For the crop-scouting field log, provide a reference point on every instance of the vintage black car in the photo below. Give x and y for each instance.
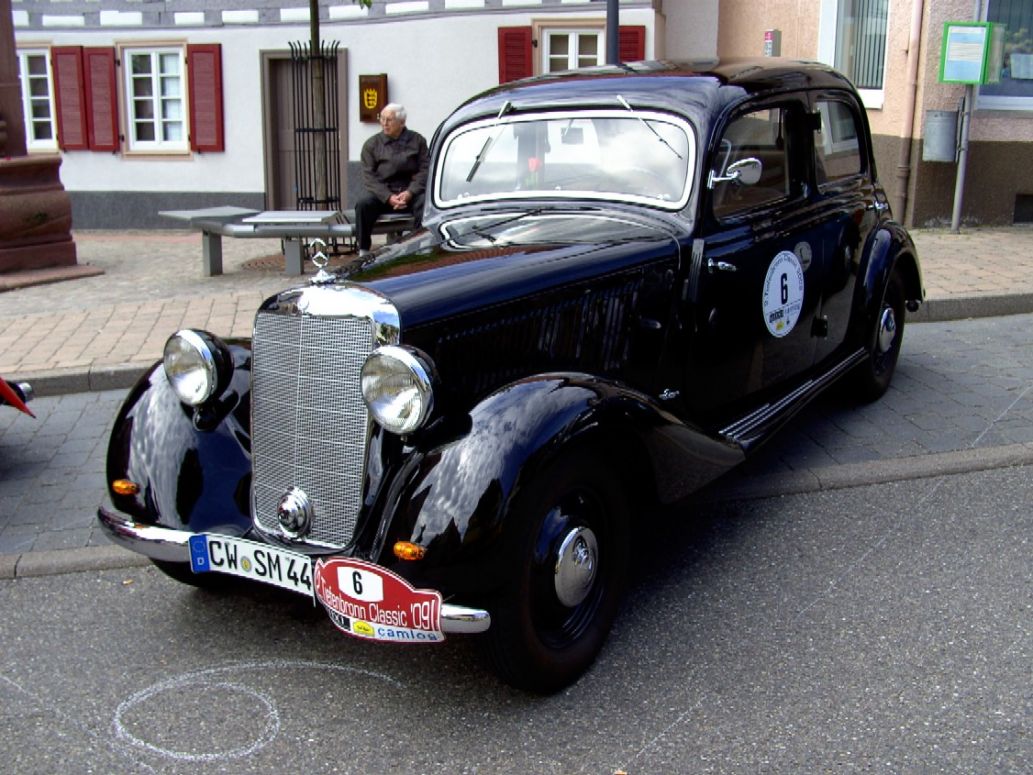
(628, 278)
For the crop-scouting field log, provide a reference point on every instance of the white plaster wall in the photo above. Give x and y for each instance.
(433, 64)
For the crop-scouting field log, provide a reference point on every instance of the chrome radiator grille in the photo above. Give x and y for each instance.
(310, 426)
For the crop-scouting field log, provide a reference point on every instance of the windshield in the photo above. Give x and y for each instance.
(631, 156)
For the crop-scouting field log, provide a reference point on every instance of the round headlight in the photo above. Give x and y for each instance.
(396, 387)
(192, 365)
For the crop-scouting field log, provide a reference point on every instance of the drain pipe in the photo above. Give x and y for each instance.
(910, 106)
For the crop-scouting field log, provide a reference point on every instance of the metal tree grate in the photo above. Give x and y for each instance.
(316, 121)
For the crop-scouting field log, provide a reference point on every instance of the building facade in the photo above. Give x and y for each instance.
(186, 103)
(892, 50)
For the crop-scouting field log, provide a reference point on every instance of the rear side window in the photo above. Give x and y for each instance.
(837, 144)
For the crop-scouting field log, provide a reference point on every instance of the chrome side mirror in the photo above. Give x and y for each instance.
(745, 171)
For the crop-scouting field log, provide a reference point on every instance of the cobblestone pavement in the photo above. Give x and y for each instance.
(964, 385)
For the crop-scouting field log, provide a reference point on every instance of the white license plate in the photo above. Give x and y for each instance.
(251, 560)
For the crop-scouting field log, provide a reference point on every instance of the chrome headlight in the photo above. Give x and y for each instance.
(197, 365)
(396, 386)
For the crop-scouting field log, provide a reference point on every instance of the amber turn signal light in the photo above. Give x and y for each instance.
(406, 550)
(125, 487)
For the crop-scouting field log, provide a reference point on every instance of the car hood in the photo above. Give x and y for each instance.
(481, 260)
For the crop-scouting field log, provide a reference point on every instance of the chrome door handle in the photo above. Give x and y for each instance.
(720, 266)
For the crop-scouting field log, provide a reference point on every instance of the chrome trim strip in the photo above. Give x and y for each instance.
(170, 545)
(153, 541)
(459, 620)
(750, 422)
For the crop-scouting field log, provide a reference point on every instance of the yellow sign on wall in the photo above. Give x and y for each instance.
(372, 96)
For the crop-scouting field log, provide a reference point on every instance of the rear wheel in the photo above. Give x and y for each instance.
(568, 555)
(872, 378)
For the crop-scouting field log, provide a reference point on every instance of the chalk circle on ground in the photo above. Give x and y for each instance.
(205, 695)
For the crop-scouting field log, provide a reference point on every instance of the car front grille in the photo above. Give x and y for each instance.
(310, 426)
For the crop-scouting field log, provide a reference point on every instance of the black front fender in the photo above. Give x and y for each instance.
(455, 498)
(192, 467)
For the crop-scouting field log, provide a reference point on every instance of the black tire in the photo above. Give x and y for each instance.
(872, 378)
(539, 641)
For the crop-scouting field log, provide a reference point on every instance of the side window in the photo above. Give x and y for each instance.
(837, 145)
(761, 135)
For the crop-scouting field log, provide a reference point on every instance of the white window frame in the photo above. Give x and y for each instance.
(158, 144)
(31, 143)
(828, 35)
(573, 52)
(996, 101)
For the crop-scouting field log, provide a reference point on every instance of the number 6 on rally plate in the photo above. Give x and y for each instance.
(360, 585)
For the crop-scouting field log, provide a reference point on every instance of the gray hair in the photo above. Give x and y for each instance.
(396, 109)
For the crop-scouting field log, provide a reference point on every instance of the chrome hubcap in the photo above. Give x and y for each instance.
(887, 330)
(577, 563)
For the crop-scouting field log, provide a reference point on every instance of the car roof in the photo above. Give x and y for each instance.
(698, 88)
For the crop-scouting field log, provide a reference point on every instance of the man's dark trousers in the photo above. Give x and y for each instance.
(369, 209)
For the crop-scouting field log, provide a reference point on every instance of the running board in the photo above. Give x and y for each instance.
(747, 431)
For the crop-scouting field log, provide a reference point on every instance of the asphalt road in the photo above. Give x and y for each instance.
(883, 628)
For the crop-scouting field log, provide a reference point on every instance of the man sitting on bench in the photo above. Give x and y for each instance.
(394, 171)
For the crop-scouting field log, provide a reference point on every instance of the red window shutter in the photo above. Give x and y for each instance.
(515, 57)
(631, 43)
(204, 71)
(70, 97)
(101, 98)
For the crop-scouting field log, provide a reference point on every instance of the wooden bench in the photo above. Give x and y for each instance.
(293, 227)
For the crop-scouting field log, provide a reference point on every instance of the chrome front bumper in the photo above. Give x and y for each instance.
(168, 545)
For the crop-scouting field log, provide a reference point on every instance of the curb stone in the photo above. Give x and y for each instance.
(849, 475)
(56, 562)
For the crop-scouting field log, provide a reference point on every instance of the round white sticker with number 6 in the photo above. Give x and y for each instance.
(783, 294)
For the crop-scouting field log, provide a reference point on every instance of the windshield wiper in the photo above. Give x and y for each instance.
(484, 231)
(506, 106)
(646, 124)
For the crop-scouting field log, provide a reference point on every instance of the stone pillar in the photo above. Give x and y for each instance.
(35, 211)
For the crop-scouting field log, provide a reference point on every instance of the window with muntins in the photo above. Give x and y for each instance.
(37, 100)
(571, 49)
(155, 99)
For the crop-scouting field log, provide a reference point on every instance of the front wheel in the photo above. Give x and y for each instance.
(568, 552)
(872, 377)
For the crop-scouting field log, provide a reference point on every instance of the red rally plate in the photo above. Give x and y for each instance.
(371, 602)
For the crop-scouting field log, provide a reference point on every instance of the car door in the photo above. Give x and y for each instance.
(848, 197)
(758, 258)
